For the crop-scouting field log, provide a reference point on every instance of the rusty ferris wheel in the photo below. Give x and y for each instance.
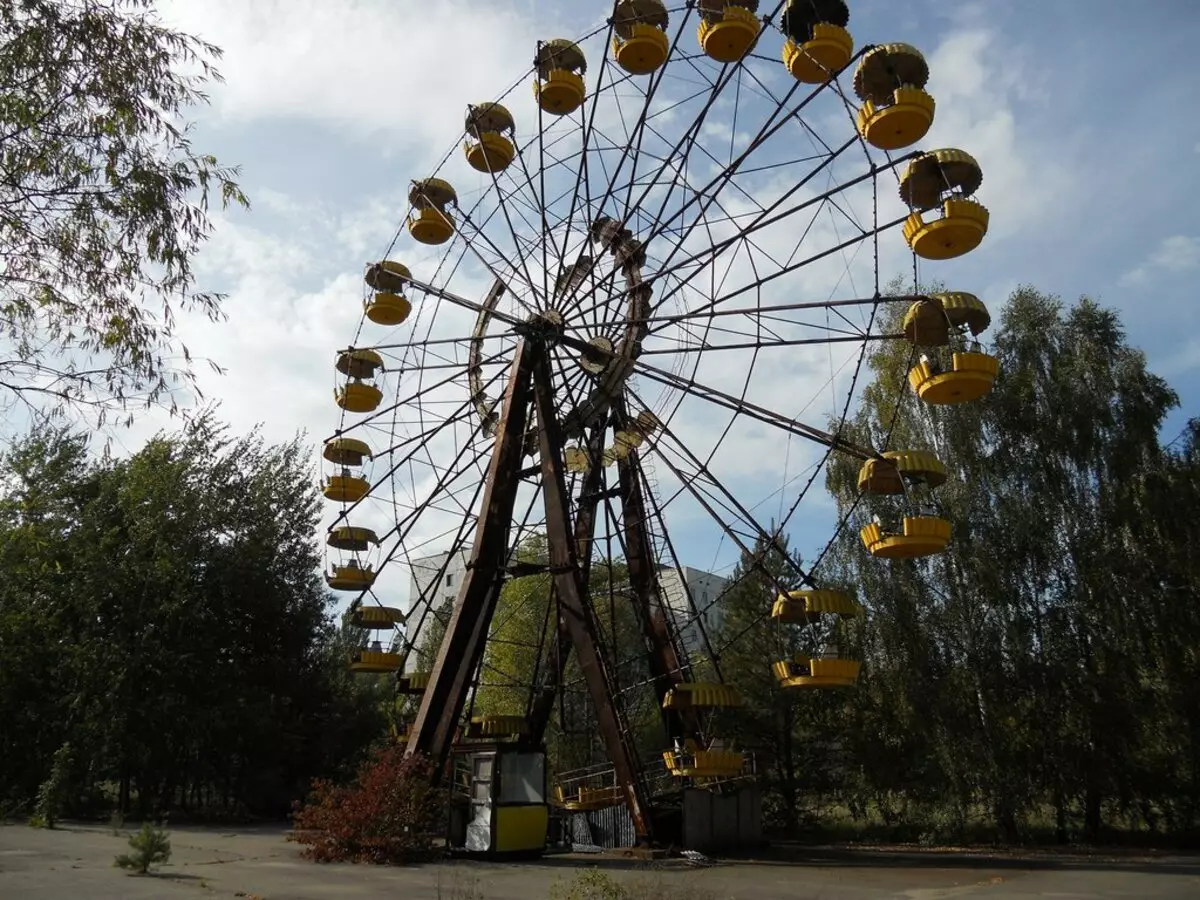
(619, 301)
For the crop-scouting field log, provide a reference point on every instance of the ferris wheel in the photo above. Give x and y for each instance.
(625, 317)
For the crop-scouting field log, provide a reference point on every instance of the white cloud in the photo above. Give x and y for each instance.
(978, 91)
(1174, 254)
(397, 72)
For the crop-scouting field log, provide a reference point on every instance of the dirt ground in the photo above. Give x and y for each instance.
(259, 864)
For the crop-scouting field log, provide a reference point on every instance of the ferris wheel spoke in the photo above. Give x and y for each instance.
(418, 441)
(413, 398)
(730, 402)
(516, 240)
(581, 169)
(404, 525)
(686, 479)
(768, 217)
(480, 235)
(765, 219)
(423, 440)
(791, 267)
(716, 185)
(726, 75)
(768, 344)
(656, 79)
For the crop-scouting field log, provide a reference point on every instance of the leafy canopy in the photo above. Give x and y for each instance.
(103, 204)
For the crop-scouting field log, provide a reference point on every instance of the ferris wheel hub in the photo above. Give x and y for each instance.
(547, 325)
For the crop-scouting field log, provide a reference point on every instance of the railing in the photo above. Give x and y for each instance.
(658, 778)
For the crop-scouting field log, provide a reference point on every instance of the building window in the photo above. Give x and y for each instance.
(450, 579)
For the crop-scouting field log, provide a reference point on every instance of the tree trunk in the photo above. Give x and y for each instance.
(1060, 815)
(1093, 798)
(788, 759)
(123, 793)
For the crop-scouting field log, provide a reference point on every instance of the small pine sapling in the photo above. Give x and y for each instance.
(150, 845)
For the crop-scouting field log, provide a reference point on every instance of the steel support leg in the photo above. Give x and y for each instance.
(466, 634)
(576, 607)
(560, 648)
(668, 666)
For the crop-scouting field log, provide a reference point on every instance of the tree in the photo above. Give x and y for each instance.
(103, 203)
(791, 735)
(165, 616)
(150, 846)
(1015, 671)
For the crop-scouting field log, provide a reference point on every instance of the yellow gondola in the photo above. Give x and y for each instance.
(387, 275)
(691, 695)
(728, 29)
(640, 43)
(412, 683)
(358, 395)
(898, 469)
(431, 222)
(930, 321)
(692, 762)
(346, 487)
(497, 727)
(921, 536)
(352, 539)
(346, 451)
(559, 86)
(804, 607)
(350, 577)
(803, 672)
(588, 799)
(388, 305)
(375, 617)
(897, 111)
(818, 44)
(374, 662)
(489, 146)
(945, 180)
(970, 377)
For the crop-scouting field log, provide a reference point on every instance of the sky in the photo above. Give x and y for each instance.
(332, 108)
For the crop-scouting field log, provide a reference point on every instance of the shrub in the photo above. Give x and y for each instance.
(391, 813)
(150, 845)
(55, 790)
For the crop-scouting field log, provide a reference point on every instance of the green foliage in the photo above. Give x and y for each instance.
(53, 795)
(752, 643)
(164, 614)
(524, 626)
(1043, 663)
(389, 814)
(151, 846)
(105, 201)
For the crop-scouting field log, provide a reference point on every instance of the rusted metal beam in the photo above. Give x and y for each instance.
(462, 647)
(668, 666)
(576, 608)
(590, 495)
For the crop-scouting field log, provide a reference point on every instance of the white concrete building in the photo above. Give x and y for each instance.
(428, 582)
(704, 610)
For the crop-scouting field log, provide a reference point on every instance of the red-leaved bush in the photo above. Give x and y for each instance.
(391, 813)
